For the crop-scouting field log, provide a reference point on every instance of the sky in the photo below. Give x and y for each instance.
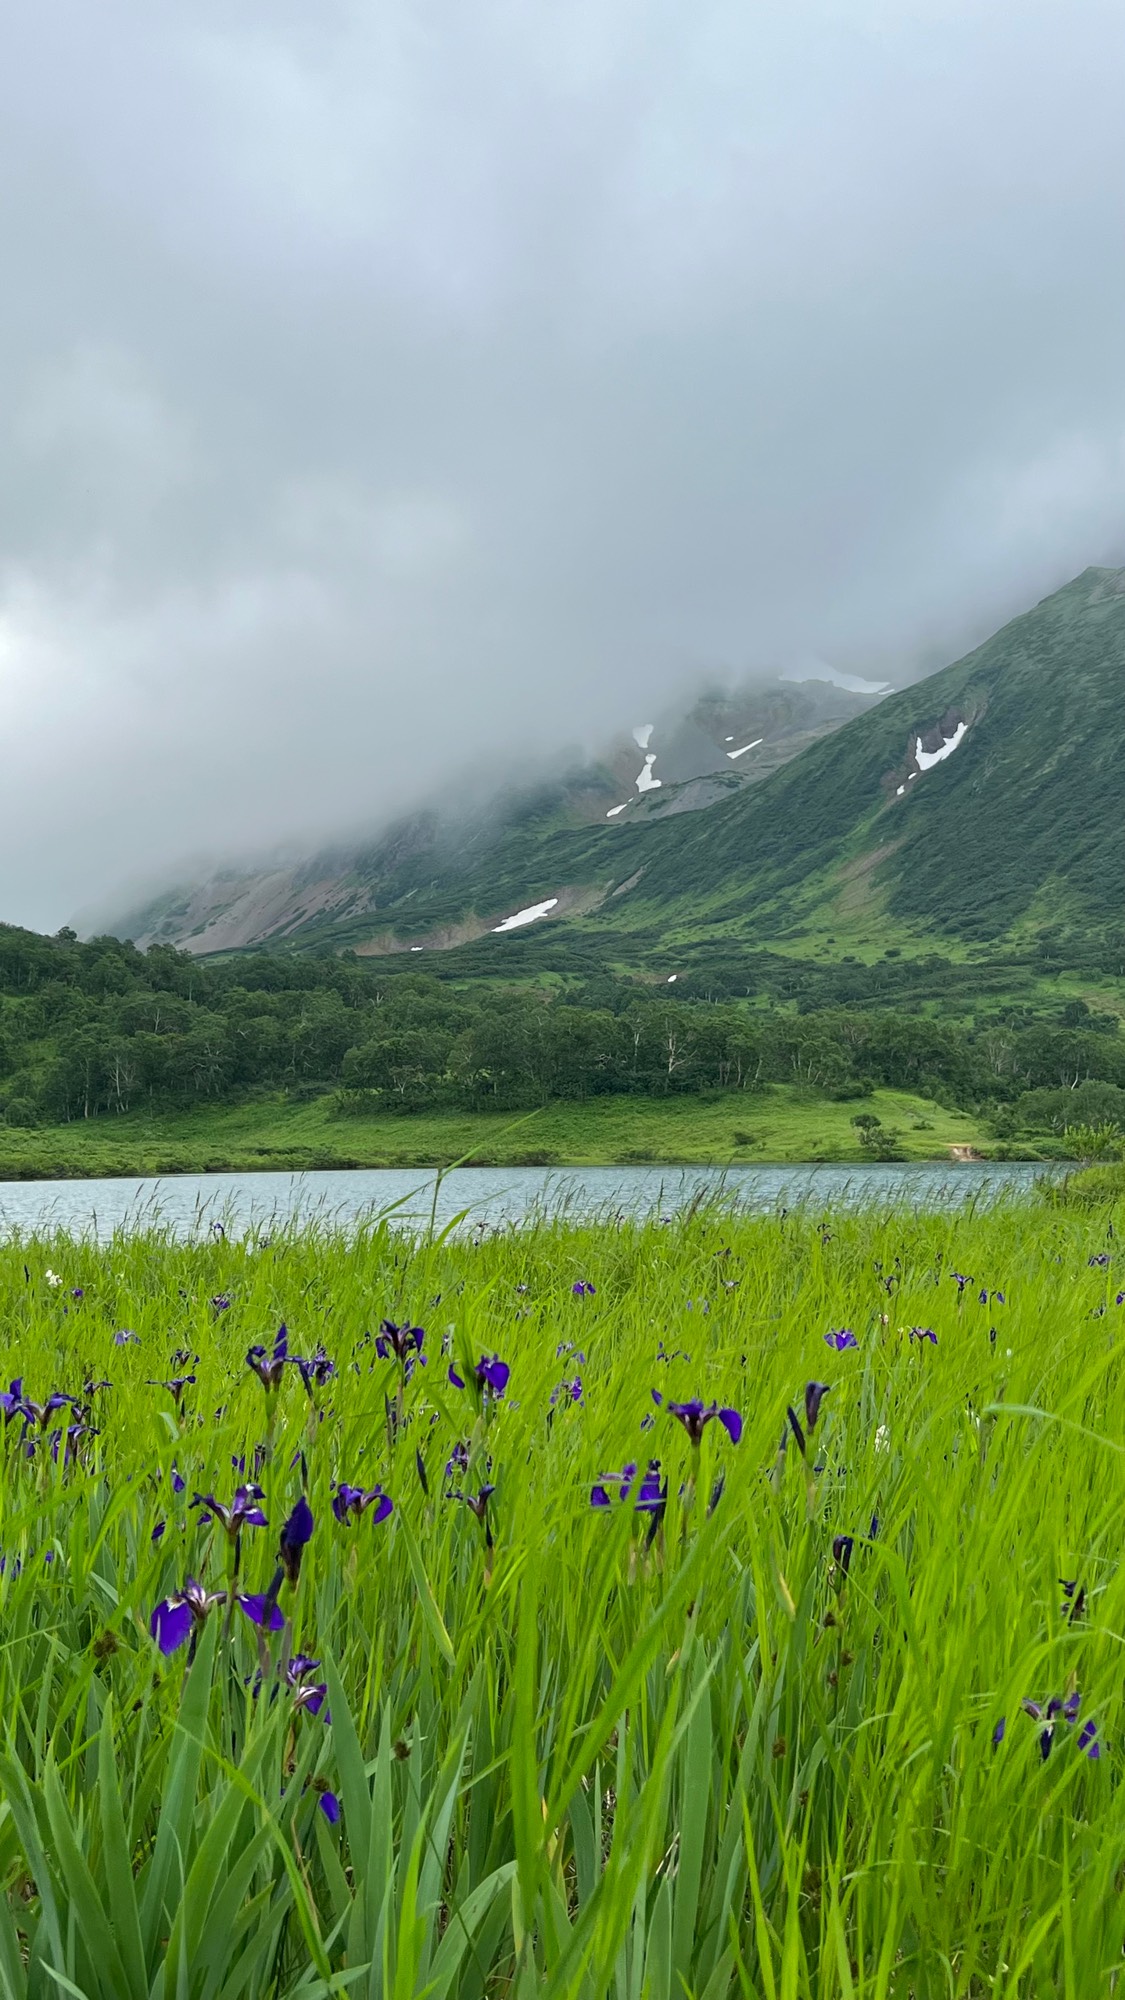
(389, 390)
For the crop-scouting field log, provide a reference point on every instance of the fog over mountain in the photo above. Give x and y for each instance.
(391, 392)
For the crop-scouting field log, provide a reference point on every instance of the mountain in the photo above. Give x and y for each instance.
(429, 874)
(983, 807)
(986, 802)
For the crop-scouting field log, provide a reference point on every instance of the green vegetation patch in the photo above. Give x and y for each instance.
(727, 1607)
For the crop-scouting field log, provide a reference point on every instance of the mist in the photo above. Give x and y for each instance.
(389, 394)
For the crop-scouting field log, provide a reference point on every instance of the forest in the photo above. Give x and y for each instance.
(93, 1030)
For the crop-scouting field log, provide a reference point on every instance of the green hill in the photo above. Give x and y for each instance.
(1019, 827)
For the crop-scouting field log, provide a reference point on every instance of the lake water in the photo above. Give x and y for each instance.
(189, 1204)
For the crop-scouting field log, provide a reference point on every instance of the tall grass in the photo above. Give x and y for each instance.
(577, 1751)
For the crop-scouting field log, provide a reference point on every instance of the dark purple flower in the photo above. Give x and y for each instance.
(243, 1511)
(315, 1370)
(178, 1482)
(11, 1400)
(220, 1303)
(1076, 1607)
(696, 1414)
(172, 1620)
(815, 1392)
(491, 1375)
(37, 1413)
(79, 1291)
(921, 1333)
(401, 1341)
(295, 1534)
(349, 1502)
(841, 1338)
(567, 1392)
(998, 1732)
(842, 1546)
(330, 1806)
(306, 1692)
(651, 1492)
(1100, 1261)
(125, 1336)
(583, 1289)
(263, 1609)
(269, 1368)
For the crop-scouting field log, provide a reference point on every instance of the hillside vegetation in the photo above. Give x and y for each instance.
(100, 1038)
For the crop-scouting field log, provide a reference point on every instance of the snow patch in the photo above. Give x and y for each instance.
(672, 978)
(417, 947)
(926, 759)
(528, 916)
(732, 754)
(645, 780)
(614, 810)
(642, 735)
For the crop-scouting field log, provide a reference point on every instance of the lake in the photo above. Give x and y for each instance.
(190, 1204)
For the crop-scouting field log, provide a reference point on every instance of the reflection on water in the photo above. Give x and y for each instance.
(190, 1204)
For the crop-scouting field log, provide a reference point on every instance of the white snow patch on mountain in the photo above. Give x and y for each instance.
(732, 754)
(642, 734)
(926, 759)
(527, 916)
(645, 780)
(614, 810)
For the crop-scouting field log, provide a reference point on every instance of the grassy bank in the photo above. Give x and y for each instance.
(778, 1124)
(756, 1727)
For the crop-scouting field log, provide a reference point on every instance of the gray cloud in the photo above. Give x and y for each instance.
(384, 387)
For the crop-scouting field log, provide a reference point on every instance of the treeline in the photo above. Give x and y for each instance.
(97, 1029)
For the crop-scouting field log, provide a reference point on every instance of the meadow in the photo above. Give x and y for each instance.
(778, 1123)
(698, 1607)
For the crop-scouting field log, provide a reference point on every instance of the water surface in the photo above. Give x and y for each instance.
(189, 1204)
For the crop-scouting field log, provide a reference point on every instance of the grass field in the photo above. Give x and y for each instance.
(775, 1124)
(840, 1720)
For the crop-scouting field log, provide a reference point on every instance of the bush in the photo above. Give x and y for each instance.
(21, 1111)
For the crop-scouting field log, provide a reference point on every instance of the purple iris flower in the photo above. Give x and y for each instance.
(402, 1341)
(269, 1368)
(1075, 1608)
(306, 1692)
(220, 1303)
(263, 1609)
(567, 1392)
(815, 1392)
(842, 1547)
(1100, 1261)
(490, 1372)
(921, 1333)
(295, 1535)
(330, 1806)
(349, 1502)
(1060, 1709)
(125, 1336)
(243, 1511)
(458, 1460)
(11, 1400)
(315, 1369)
(173, 1619)
(37, 1413)
(651, 1492)
(841, 1338)
(960, 1279)
(696, 1414)
(583, 1289)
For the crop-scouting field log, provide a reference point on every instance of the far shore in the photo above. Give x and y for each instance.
(780, 1126)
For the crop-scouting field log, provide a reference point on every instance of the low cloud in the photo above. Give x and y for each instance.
(388, 393)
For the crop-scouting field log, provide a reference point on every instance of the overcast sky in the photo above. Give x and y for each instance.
(384, 383)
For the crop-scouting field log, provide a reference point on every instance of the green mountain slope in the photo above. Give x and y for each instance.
(1020, 825)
